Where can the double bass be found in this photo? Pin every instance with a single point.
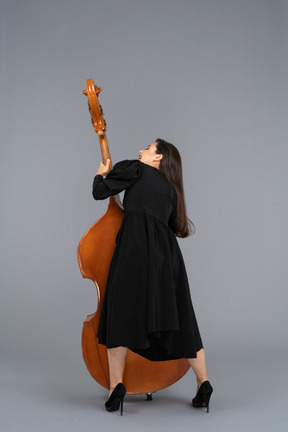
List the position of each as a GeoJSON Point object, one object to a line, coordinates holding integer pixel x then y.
{"type": "Point", "coordinates": [94, 254]}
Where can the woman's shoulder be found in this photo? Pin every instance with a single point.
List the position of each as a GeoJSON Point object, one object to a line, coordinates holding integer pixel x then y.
{"type": "Point", "coordinates": [163, 183]}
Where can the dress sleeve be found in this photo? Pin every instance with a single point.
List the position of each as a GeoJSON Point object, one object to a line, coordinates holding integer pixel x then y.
{"type": "Point", "coordinates": [122, 176]}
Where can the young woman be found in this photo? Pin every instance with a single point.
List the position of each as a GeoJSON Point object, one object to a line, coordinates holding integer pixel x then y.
{"type": "Point", "coordinates": [147, 305]}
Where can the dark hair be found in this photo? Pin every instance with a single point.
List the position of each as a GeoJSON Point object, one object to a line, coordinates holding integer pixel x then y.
{"type": "Point", "coordinates": [171, 168]}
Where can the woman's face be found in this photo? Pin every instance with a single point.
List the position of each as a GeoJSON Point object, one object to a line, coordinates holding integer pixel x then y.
{"type": "Point", "coordinates": [149, 155]}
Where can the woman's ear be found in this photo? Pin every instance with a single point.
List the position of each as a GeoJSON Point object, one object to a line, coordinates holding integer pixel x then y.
{"type": "Point", "coordinates": [158, 157]}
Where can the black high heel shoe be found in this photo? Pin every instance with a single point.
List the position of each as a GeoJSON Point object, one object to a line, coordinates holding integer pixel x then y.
{"type": "Point", "coordinates": [203, 396]}
{"type": "Point", "coordinates": [116, 398]}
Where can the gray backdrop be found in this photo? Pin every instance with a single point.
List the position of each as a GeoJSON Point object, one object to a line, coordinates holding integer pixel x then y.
{"type": "Point", "coordinates": [211, 77]}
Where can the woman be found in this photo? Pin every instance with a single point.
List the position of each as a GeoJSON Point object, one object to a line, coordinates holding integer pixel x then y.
{"type": "Point", "coordinates": [147, 305]}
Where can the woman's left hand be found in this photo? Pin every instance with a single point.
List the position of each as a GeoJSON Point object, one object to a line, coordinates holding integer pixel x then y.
{"type": "Point", "coordinates": [104, 169]}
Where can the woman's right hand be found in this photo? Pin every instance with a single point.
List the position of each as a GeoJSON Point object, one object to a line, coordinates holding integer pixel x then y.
{"type": "Point", "coordinates": [104, 169]}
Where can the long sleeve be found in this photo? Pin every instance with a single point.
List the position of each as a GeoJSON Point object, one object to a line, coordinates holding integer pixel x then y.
{"type": "Point", "coordinates": [122, 176]}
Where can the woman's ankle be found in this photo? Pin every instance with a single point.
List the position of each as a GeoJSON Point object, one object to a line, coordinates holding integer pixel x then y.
{"type": "Point", "coordinates": [201, 380]}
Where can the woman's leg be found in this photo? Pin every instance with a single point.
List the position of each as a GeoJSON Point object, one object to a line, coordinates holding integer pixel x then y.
{"type": "Point", "coordinates": [116, 359]}
{"type": "Point", "coordinates": [199, 367]}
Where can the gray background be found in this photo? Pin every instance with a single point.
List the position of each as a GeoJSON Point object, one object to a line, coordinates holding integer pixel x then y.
{"type": "Point", "coordinates": [209, 76]}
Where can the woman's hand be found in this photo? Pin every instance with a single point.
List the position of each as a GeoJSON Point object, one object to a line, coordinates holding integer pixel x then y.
{"type": "Point", "coordinates": [104, 169]}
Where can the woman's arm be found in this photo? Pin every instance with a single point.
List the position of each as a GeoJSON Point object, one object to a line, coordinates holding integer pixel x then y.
{"type": "Point", "coordinates": [100, 189]}
{"type": "Point", "coordinates": [122, 176]}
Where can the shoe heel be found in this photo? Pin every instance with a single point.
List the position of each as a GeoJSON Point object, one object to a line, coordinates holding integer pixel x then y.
{"type": "Point", "coordinates": [121, 405]}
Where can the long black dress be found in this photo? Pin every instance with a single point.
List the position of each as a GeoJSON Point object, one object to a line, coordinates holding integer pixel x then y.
{"type": "Point", "coordinates": [147, 305]}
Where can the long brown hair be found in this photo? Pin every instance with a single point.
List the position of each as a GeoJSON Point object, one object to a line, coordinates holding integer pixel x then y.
{"type": "Point", "coordinates": [171, 167]}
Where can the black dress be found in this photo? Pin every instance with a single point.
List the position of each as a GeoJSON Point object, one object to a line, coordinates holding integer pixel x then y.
{"type": "Point", "coordinates": [147, 305]}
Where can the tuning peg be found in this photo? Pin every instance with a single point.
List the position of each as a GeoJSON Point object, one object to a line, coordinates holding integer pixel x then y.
{"type": "Point", "coordinates": [84, 92]}
{"type": "Point", "coordinates": [97, 89]}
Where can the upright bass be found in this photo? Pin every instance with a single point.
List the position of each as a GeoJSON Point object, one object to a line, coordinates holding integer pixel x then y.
{"type": "Point", "coordinates": [94, 254]}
